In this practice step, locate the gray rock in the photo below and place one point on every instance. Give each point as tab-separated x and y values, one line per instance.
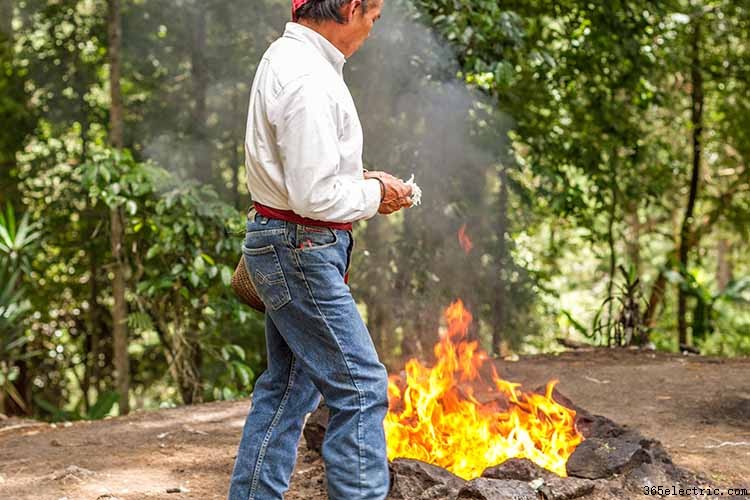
520	469
412	479
496	489
554	487
646	476
438	492
566	488
597	426
598	458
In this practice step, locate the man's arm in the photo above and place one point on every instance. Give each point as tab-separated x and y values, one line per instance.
307	136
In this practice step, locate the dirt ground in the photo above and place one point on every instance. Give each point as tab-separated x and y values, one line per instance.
698	407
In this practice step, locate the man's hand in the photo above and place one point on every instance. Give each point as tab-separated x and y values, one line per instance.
394	193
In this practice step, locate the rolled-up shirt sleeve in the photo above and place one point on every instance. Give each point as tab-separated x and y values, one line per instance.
306	126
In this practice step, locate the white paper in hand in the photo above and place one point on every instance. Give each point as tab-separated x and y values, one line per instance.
416	195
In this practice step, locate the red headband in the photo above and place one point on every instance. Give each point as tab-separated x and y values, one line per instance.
296	4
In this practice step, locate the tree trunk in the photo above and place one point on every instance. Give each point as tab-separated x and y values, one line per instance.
633	242
724	269
120	312
95	325
117	223
187	359
23	385
199	74
187	356
178	349
114	25
8	184
190	355
499	307
696	98
238	144
612	256
6	20
655	299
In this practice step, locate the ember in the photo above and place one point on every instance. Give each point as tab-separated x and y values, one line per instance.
435	416
464	240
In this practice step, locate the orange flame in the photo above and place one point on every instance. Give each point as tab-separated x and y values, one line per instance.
437	417
464	240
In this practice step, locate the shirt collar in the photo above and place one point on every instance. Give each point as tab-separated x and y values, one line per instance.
317	41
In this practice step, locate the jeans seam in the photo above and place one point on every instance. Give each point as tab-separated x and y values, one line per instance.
265	232
271	428
362	400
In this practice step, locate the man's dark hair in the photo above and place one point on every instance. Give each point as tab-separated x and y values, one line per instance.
325	10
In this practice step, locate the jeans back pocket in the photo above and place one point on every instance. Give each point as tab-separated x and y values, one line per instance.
314	238
265	271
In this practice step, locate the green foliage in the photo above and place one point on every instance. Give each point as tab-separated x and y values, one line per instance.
98	411
600	94
180	257
557	133
182	264
710	305
115	178
178	247
16	115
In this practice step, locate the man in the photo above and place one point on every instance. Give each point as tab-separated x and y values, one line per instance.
304	169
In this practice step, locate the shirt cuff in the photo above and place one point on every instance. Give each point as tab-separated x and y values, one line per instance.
372	197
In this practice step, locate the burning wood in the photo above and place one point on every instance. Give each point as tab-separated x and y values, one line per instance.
452	438
436	418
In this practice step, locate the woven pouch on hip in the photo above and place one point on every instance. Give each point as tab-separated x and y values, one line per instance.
244	288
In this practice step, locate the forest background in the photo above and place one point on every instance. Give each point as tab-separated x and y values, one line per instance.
585	168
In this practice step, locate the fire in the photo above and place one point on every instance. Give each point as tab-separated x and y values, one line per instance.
436	417
464	240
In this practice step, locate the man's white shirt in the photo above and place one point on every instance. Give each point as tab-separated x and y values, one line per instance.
303	147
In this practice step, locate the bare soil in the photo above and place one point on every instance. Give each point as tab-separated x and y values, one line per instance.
698	407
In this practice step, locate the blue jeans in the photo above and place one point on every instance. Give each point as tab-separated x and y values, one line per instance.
317	344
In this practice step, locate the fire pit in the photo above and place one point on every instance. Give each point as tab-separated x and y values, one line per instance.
451	416
457	430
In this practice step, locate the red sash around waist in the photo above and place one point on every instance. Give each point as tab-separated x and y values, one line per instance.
289	216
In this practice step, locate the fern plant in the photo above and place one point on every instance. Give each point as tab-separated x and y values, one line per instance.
17	237
17	240
12	307
622	325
